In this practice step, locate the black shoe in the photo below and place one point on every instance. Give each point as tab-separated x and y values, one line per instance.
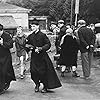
44	90
62	74
57	68
37	88
7	85
21	76
2	91
75	74
24	71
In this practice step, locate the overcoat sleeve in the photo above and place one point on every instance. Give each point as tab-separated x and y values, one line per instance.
47	43
17	44
8	42
29	44
80	34
93	39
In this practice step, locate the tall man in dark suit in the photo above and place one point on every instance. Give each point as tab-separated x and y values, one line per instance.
86	40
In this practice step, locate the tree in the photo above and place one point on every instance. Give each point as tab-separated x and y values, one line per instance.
61	9
86	11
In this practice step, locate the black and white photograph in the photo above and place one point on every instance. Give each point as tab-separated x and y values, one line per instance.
49	49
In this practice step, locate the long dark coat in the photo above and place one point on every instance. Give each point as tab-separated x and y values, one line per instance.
41	63
6	68
69	50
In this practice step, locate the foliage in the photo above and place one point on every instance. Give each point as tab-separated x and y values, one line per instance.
86	11
58	9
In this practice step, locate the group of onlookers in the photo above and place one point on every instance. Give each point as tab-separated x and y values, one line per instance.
70	40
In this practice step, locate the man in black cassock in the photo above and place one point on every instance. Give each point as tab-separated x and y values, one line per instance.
6	68
41	67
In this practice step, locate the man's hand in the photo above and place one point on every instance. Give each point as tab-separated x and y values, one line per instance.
1	41
91	46
38	49
28	46
87	47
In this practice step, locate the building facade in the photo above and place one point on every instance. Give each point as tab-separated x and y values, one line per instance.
16	15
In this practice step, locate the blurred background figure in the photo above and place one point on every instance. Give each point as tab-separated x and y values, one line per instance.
55	29
62	31
20	50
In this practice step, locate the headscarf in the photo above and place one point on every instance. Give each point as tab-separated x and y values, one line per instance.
69	30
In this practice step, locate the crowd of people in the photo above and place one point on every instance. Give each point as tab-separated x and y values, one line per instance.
69	40
41	66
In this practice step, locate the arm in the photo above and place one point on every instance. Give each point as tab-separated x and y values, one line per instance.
29	44
81	38
93	39
8	43
47	43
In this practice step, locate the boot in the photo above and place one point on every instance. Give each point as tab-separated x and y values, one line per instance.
62	74
7	85
75	74
37	88
44	90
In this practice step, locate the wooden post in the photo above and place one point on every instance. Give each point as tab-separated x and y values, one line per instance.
71	19
76	11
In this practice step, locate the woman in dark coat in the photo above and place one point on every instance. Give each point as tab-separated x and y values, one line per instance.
41	67
6	68
68	54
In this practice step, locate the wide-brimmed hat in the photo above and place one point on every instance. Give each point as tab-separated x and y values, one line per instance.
81	22
52	22
61	21
35	21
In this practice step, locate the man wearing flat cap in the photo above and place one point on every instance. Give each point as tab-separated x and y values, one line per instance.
41	67
62	32
86	42
60	21
55	29
62	29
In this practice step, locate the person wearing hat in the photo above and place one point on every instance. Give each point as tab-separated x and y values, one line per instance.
41	67
6	69
86	43
68	54
61	21
62	31
54	28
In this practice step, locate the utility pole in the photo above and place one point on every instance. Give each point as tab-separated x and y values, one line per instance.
71	18
76	11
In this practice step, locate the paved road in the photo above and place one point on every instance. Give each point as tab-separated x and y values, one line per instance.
72	88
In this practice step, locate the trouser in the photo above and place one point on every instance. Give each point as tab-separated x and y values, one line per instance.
86	63
22	66
37	78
